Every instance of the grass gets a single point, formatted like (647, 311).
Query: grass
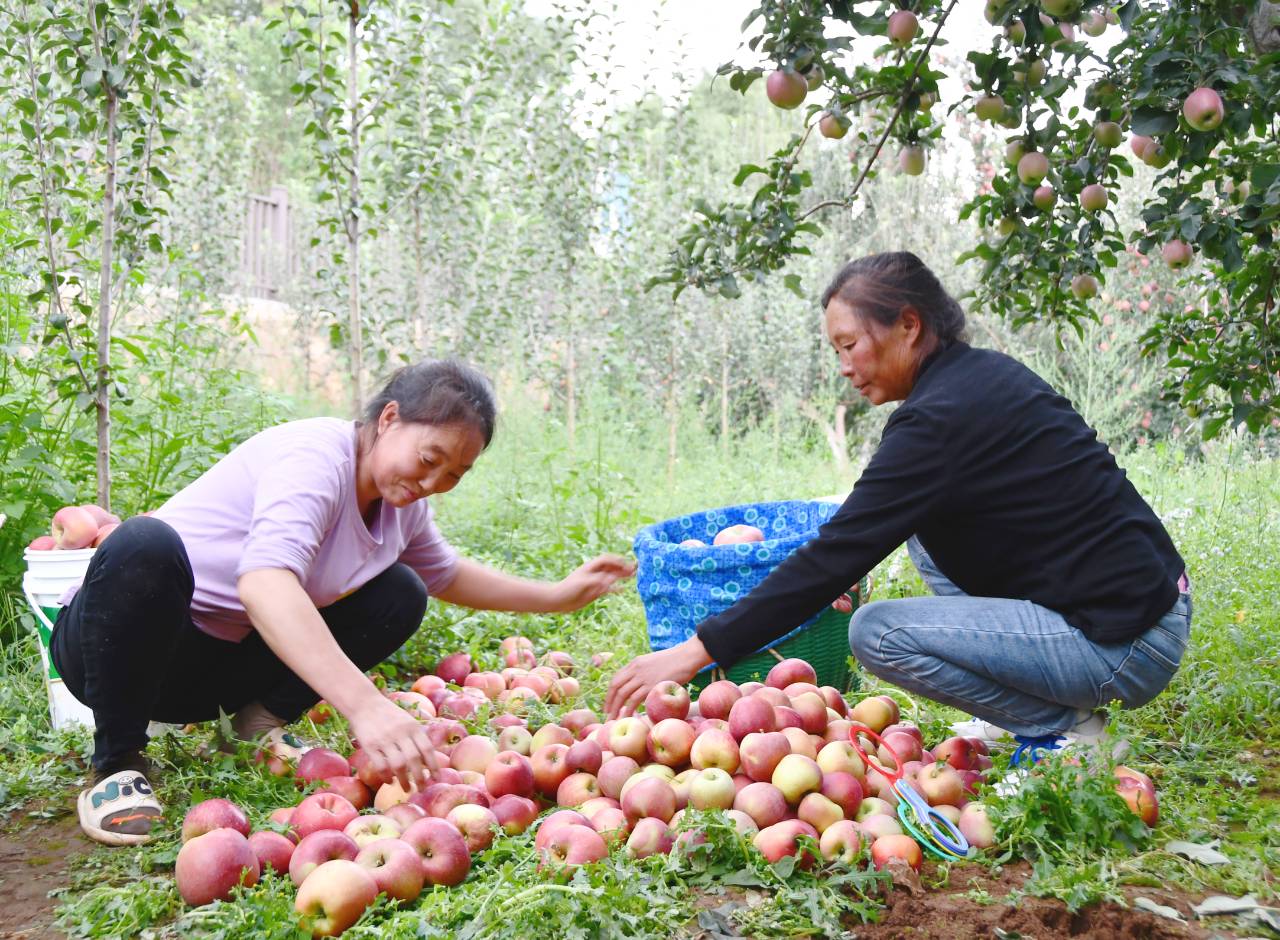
(1212, 741)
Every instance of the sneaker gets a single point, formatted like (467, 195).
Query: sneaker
(119, 809)
(983, 730)
(1091, 732)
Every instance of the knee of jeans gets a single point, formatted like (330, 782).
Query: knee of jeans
(148, 548)
(866, 630)
(410, 593)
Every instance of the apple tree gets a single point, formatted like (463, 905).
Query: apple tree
(1193, 88)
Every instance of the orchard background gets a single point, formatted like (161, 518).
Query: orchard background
(218, 218)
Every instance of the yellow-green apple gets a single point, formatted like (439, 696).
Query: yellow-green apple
(1203, 109)
(1093, 198)
(715, 748)
(395, 867)
(319, 847)
(975, 825)
(490, 683)
(1044, 197)
(800, 742)
(879, 824)
(750, 715)
(786, 88)
(475, 752)
(877, 713)
(667, 700)
(514, 813)
(1084, 286)
(989, 108)
(841, 842)
(649, 796)
(840, 756)
(1014, 150)
(576, 789)
(791, 670)
(334, 897)
(272, 849)
(509, 773)
(549, 768)
(1176, 253)
(476, 823)
(872, 806)
(1033, 167)
(818, 811)
(73, 527)
(940, 783)
(782, 839)
(650, 836)
(574, 845)
(629, 737)
(763, 802)
(661, 771)
(760, 753)
(670, 742)
(211, 864)
(1095, 24)
(888, 847)
(950, 812)
(911, 162)
(209, 815)
(795, 776)
(712, 788)
(614, 773)
(903, 27)
(515, 738)
(717, 699)
(843, 789)
(833, 126)
(1032, 72)
(1155, 155)
(405, 814)
(1108, 134)
(443, 851)
(738, 535)
(371, 828)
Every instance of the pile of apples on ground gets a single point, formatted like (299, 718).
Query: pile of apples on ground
(75, 527)
(774, 757)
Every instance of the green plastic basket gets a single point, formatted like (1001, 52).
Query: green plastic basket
(824, 646)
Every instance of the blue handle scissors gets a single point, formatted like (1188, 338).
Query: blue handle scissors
(930, 828)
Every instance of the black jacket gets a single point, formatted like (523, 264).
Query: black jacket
(1010, 493)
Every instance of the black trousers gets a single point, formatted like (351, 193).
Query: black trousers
(127, 648)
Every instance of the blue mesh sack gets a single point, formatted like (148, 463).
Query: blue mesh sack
(681, 587)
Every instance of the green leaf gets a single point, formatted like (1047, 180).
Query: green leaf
(1151, 122)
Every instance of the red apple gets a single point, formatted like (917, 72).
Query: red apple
(940, 783)
(510, 773)
(800, 742)
(73, 527)
(574, 845)
(474, 752)
(443, 851)
(812, 711)
(958, 752)
(844, 790)
(1033, 167)
(100, 516)
(405, 815)
(715, 748)
(748, 715)
(584, 756)
(476, 823)
(42, 543)
(209, 815)
(425, 685)
(563, 817)
(614, 773)
(515, 738)
(649, 796)
(791, 670)
(670, 742)
(549, 768)
(395, 867)
(211, 864)
(319, 847)
(320, 763)
(272, 849)
(667, 700)
(903, 27)
(373, 827)
(576, 789)
(334, 897)
(1203, 109)
(1177, 254)
(650, 836)
(880, 824)
(761, 752)
(103, 532)
(787, 89)
(514, 813)
(716, 700)
(842, 842)
(783, 839)
(901, 847)
(763, 802)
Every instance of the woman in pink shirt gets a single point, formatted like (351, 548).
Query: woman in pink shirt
(281, 576)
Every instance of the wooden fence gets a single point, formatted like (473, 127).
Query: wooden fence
(268, 256)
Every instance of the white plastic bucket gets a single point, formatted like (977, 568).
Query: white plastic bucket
(48, 575)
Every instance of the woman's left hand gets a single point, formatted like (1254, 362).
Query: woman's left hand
(592, 580)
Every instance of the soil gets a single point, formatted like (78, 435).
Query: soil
(36, 856)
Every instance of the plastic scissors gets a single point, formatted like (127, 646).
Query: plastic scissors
(930, 828)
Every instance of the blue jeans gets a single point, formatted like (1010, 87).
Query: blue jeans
(1011, 662)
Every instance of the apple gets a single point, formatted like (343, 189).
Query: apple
(443, 851)
(476, 823)
(73, 527)
(630, 738)
(564, 689)
(833, 126)
(514, 813)
(103, 532)
(687, 543)
(831, 695)
(42, 543)
(1032, 72)
(584, 755)
(100, 516)
(1084, 286)
(515, 738)
(211, 864)
(881, 786)
(614, 773)
(577, 720)
(1138, 143)
(319, 847)
(716, 700)
(1177, 254)
(366, 829)
(1108, 134)
(1044, 197)
(560, 661)
(395, 867)
(791, 670)
(388, 795)
(841, 842)
(760, 753)
(445, 733)
(837, 730)
(650, 836)
(425, 685)
(320, 763)
(800, 742)
(787, 89)
(775, 697)
(872, 806)
(420, 706)
(712, 788)
(649, 796)
(1154, 155)
(564, 817)
(334, 897)
(843, 789)
(490, 683)
(750, 688)
(911, 161)
(667, 700)
(877, 713)
(898, 747)
(272, 849)
(975, 825)
(819, 812)
(576, 789)
(812, 711)
(840, 756)
(797, 775)
(509, 773)
(1203, 109)
(574, 845)
(903, 27)
(989, 108)
(549, 768)
(940, 783)
(448, 796)
(281, 816)
(454, 668)
(405, 815)
(1095, 24)
(362, 767)
(715, 748)
(209, 815)
(878, 824)
(901, 847)
(475, 752)
(1093, 198)
(1032, 168)
(783, 838)
(950, 812)
(763, 802)
(1139, 792)
(670, 742)
(750, 715)
(611, 823)
(739, 534)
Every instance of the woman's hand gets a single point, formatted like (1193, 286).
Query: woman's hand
(597, 577)
(633, 681)
(397, 743)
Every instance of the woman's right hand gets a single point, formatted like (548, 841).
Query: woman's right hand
(397, 743)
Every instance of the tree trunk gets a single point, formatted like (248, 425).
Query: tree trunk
(420, 277)
(835, 433)
(353, 215)
(724, 391)
(102, 397)
(571, 393)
